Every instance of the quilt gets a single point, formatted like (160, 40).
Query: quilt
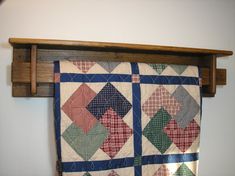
(127, 119)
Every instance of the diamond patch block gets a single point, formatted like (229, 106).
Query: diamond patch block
(161, 98)
(162, 171)
(159, 68)
(85, 144)
(154, 131)
(75, 108)
(182, 138)
(183, 170)
(109, 66)
(108, 97)
(119, 132)
(189, 107)
(84, 66)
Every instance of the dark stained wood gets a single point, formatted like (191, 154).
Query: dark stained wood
(101, 46)
(33, 70)
(210, 89)
(221, 77)
(21, 55)
(21, 72)
(24, 90)
(212, 86)
(205, 76)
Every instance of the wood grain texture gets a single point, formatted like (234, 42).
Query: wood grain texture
(221, 76)
(21, 72)
(33, 69)
(210, 89)
(212, 72)
(22, 55)
(90, 45)
(24, 90)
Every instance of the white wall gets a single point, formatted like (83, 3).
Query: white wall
(26, 125)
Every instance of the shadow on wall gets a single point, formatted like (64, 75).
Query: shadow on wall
(51, 130)
(1, 1)
(51, 136)
(8, 67)
(5, 45)
(8, 75)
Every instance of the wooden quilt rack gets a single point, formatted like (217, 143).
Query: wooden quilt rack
(32, 67)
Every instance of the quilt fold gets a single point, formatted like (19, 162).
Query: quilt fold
(127, 119)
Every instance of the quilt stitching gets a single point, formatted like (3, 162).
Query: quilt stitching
(154, 131)
(183, 138)
(75, 108)
(101, 122)
(162, 171)
(84, 66)
(119, 132)
(183, 170)
(108, 97)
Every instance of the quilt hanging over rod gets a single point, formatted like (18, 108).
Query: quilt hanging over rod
(120, 118)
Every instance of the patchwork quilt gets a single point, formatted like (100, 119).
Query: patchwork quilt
(127, 119)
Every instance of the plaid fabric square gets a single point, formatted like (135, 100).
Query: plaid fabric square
(159, 68)
(162, 171)
(183, 170)
(119, 132)
(108, 97)
(183, 138)
(56, 77)
(75, 108)
(84, 66)
(154, 131)
(161, 98)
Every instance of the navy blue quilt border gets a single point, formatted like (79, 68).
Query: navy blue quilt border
(144, 79)
(57, 111)
(137, 129)
(80, 166)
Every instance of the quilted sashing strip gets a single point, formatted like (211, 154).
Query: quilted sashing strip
(124, 119)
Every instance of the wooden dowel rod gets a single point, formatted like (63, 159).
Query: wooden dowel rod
(212, 74)
(33, 69)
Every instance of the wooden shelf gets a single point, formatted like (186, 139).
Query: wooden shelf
(32, 67)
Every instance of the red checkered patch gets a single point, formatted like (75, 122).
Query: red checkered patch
(75, 108)
(56, 77)
(182, 138)
(119, 132)
(84, 66)
(113, 173)
(136, 78)
(162, 171)
(161, 98)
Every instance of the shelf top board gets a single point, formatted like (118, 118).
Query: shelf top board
(106, 46)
